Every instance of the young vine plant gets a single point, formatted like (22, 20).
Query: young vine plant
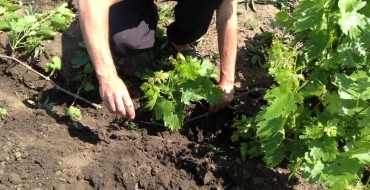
(318, 111)
(29, 29)
(169, 92)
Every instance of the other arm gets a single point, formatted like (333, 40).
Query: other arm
(227, 45)
(94, 25)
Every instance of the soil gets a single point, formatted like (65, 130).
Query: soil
(40, 149)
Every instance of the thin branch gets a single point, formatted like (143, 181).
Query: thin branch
(206, 114)
(52, 82)
(152, 123)
(250, 92)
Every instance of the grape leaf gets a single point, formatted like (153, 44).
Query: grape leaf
(351, 22)
(47, 30)
(312, 172)
(324, 148)
(309, 14)
(163, 108)
(315, 45)
(343, 171)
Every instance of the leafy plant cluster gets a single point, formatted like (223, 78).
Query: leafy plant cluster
(318, 111)
(81, 62)
(169, 92)
(28, 29)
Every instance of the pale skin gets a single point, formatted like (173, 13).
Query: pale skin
(93, 16)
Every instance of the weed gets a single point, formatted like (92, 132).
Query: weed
(73, 113)
(3, 112)
(215, 149)
(256, 48)
(250, 24)
(29, 31)
(55, 64)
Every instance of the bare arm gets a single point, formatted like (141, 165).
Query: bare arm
(227, 44)
(93, 16)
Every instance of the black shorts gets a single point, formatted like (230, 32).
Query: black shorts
(132, 23)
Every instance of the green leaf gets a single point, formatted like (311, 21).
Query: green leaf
(345, 171)
(59, 22)
(309, 14)
(47, 31)
(283, 104)
(55, 64)
(274, 150)
(315, 45)
(88, 87)
(324, 148)
(268, 128)
(163, 108)
(73, 112)
(351, 22)
(80, 59)
(215, 96)
(312, 172)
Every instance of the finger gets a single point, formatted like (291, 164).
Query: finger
(120, 107)
(129, 106)
(109, 104)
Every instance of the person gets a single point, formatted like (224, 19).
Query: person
(128, 26)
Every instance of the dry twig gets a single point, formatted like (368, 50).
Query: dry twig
(50, 81)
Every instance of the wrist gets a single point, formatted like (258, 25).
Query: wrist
(226, 82)
(106, 75)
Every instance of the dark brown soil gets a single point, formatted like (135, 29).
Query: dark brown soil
(42, 150)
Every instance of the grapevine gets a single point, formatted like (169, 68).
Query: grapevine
(318, 110)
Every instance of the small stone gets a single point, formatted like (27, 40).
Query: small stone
(99, 148)
(60, 187)
(208, 177)
(26, 186)
(36, 188)
(4, 157)
(15, 178)
(17, 155)
(57, 173)
(80, 177)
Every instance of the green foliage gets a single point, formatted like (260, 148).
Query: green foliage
(73, 113)
(3, 112)
(216, 149)
(55, 64)
(82, 63)
(29, 29)
(43, 102)
(318, 111)
(168, 92)
(256, 48)
(165, 13)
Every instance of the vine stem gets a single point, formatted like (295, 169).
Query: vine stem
(206, 114)
(152, 123)
(51, 81)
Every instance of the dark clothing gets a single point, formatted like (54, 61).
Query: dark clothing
(132, 23)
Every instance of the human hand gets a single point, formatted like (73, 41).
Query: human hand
(228, 93)
(115, 96)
